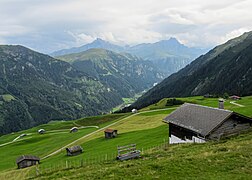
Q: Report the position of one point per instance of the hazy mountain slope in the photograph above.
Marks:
(35, 88)
(98, 43)
(226, 68)
(169, 55)
(123, 72)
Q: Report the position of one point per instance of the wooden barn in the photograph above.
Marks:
(110, 133)
(26, 161)
(73, 151)
(196, 123)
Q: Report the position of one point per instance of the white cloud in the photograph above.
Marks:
(50, 25)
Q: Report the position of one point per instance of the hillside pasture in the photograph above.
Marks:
(57, 135)
(143, 129)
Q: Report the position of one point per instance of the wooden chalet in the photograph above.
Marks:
(73, 151)
(26, 161)
(196, 123)
(110, 133)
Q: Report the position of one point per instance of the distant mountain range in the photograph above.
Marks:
(36, 88)
(226, 68)
(168, 55)
(98, 43)
(125, 73)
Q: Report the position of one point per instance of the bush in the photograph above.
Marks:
(173, 101)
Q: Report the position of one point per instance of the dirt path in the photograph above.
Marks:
(234, 103)
(19, 138)
(83, 137)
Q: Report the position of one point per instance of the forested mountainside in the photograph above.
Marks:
(125, 73)
(36, 88)
(168, 56)
(226, 68)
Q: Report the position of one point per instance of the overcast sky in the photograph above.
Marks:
(49, 25)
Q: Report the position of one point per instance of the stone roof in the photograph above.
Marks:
(74, 149)
(200, 119)
(27, 157)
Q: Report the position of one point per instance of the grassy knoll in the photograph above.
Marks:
(8, 97)
(227, 159)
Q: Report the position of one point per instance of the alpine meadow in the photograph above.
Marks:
(125, 89)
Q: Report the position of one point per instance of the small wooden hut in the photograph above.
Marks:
(110, 133)
(26, 161)
(234, 97)
(73, 151)
(73, 129)
(134, 111)
(41, 131)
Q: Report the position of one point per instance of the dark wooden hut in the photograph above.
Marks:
(41, 131)
(73, 151)
(26, 161)
(73, 129)
(196, 123)
(110, 133)
(234, 97)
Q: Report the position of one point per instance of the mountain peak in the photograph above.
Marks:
(172, 41)
(99, 40)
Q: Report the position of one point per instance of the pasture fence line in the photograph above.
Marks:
(43, 169)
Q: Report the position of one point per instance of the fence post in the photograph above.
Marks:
(81, 163)
(37, 170)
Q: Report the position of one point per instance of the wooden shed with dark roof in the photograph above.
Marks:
(74, 150)
(110, 133)
(27, 160)
(196, 123)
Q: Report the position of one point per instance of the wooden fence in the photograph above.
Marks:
(43, 169)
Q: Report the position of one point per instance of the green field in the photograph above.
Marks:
(56, 137)
(146, 129)
(227, 159)
(212, 102)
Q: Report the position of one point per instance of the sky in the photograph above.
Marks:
(49, 25)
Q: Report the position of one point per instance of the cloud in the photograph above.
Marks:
(51, 25)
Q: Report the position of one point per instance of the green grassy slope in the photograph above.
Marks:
(212, 102)
(227, 159)
(57, 136)
(146, 129)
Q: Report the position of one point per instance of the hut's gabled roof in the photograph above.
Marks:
(27, 157)
(110, 130)
(74, 149)
(200, 119)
